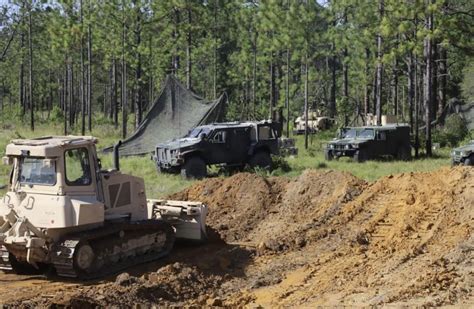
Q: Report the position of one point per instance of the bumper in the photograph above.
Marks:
(457, 160)
(165, 160)
(342, 152)
(170, 164)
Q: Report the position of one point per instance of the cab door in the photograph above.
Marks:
(380, 143)
(239, 142)
(218, 147)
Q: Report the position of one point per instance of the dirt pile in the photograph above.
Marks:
(276, 211)
(403, 237)
(323, 238)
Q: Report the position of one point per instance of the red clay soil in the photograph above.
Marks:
(323, 238)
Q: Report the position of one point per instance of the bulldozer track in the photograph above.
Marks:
(109, 238)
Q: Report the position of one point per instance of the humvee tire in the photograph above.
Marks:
(469, 161)
(328, 155)
(194, 167)
(360, 156)
(404, 153)
(261, 159)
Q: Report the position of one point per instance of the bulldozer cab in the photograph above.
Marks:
(60, 165)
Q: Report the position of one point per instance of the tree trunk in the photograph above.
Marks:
(411, 89)
(214, 79)
(21, 88)
(306, 102)
(30, 89)
(395, 88)
(378, 101)
(82, 72)
(333, 109)
(367, 89)
(434, 80)
(176, 38)
(442, 74)
(272, 85)
(138, 70)
(428, 85)
(287, 92)
(188, 50)
(254, 77)
(89, 69)
(124, 83)
(345, 73)
(417, 106)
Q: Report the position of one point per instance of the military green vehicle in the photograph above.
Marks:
(370, 142)
(463, 155)
(231, 144)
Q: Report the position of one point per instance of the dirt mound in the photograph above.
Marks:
(406, 239)
(237, 204)
(323, 238)
(274, 211)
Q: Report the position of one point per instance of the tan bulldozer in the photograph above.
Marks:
(316, 122)
(63, 212)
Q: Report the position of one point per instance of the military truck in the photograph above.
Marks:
(232, 144)
(463, 155)
(63, 212)
(370, 142)
(316, 123)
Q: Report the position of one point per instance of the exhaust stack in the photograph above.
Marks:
(116, 156)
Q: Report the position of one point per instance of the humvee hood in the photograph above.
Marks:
(346, 141)
(180, 143)
(468, 147)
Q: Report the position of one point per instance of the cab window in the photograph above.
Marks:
(265, 133)
(382, 135)
(219, 137)
(78, 169)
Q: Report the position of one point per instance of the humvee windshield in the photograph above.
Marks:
(366, 134)
(37, 171)
(348, 133)
(194, 133)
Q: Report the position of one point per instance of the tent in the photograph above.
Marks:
(176, 111)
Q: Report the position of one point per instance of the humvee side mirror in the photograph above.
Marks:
(7, 160)
(202, 136)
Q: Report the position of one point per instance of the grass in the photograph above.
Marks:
(161, 185)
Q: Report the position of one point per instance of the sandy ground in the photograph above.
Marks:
(323, 238)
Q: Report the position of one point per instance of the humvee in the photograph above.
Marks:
(369, 142)
(232, 144)
(463, 155)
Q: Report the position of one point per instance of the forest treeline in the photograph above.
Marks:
(346, 58)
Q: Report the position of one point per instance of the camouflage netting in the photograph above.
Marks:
(176, 111)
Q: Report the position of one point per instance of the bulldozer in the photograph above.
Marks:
(64, 213)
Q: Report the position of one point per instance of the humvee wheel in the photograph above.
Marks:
(261, 159)
(469, 160)
(194, 167)
(360, 156)
(328, 155)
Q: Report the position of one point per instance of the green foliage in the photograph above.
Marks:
(56, 115)
(455, 130)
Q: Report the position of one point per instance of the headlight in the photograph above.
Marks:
(355, 146)
(347, 147)
(331, 146)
